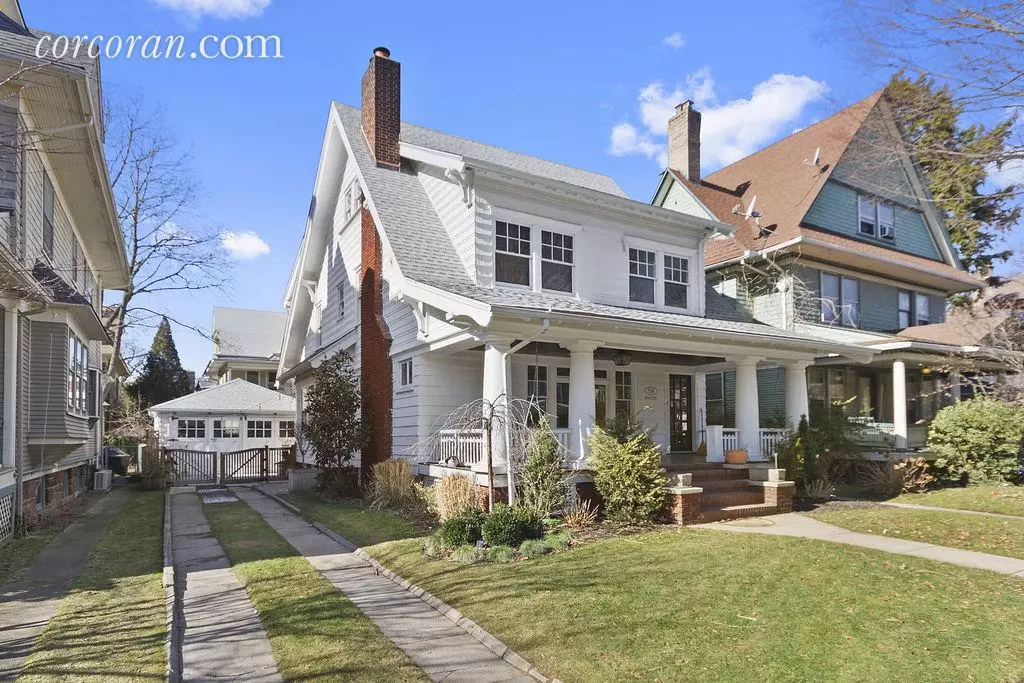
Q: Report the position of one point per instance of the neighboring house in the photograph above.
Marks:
(454, 271)
(246, 345)
(234, 416)
(60, 247)
(834, 236)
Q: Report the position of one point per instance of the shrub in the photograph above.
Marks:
(393, 486)
(892, 478)
(534, 548)
(580, 515)
(917, 475)
(559, 540)
(979, 440)
(432, 547)
(501, 554)
(541, 482)
(468, 554)
(628, 476)
(462, 529)
(819, 490)
(511, 526)
(452, 495)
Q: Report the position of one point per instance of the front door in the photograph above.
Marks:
(680, 388)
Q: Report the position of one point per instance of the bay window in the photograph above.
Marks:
(78, 375)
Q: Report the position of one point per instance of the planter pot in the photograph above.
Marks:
(736, 456)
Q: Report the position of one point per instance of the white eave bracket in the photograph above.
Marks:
(465, 180)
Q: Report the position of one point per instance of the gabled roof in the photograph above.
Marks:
(236, 396)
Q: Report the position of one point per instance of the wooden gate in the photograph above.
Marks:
(256, 464)
(192, 467)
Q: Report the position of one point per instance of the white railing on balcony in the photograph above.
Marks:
(562, 436)
(770, 439)
(465, 446)
(730, 439)
(873, 434)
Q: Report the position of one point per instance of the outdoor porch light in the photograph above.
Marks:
(622, 359)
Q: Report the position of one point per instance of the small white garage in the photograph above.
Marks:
(235, 416)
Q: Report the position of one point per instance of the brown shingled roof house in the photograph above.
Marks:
(835, 234)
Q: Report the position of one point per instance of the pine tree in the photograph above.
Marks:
(162, 377)
(954, 160)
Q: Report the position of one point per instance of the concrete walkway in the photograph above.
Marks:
(30, 598)
(223, 638)
(436, 645)
(802, 526)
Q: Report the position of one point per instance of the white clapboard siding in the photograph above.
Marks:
(457, 218)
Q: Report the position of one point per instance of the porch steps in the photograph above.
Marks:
(718, 514)
(720, 484)
(732, 499)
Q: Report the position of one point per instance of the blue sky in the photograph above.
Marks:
(546, 78)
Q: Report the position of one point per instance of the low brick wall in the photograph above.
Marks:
(780, 496)
(60, 488)
(685, 505)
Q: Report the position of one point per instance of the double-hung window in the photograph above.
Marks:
(48, 202)
(914, 309)
(259, 429)
(623, 393)
(405, 374)
(561, 398)
(252, 376)
(677, 278)
(537, 385)
(922, 309)
(78, 375)
(286, 429)
(191, 429)
(906, 311)
(556, 260)
(877, 218)
(225, 429)
(840, 300)
(512, 253)
(642, 276)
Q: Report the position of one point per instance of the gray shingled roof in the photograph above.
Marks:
(237, 396)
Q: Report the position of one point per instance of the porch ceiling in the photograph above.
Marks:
(610, 354)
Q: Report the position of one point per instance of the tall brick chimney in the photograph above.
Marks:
(382, 107)
(684, 141)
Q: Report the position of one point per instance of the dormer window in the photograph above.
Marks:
(642, 275)
(677, 277)
(877, 217)
(512, 253)
(556, 259)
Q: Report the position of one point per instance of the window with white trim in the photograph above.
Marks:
(286, 429)
(556, 261)
(877, 218)
(922, 309)
(405, 373)
(906, 310)
(259, 429)
(561, 398)
(191, 429)
(677, 278)
(537, 385)
(252, 376)
(352, 198)
(512, 253)
(642, 275)
(341, 300)
(623, 393)
(914, 309)
(225, 429)
(78, 375)
(840, 300)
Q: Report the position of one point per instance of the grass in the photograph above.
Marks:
(968, 532)
(1004, 500)
(705, 605)
(111, 625)
(353, 519)
(316, 634)
(21, 552)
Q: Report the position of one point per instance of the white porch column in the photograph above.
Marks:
(748, 418)
(954, 386)
(796, 392)
(495, 385)
(581, 396)
(899, 403)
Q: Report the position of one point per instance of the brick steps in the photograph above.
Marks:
(719, 485)
(705, 475)
(732, 498)
(718, 514)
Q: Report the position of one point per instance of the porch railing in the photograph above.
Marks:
(463, 445)
(730, 439)
(562, 436)
(721, 439)
(770, 440)
(883, 434)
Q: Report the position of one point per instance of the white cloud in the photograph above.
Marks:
(244, 245)
(1012, 173)
(222, 9)
(730, 130)
(675, 41)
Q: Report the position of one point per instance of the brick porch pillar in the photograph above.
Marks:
(684, 504)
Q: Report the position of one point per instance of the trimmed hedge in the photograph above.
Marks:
(462, 529)
(980, 440)
(511, 526)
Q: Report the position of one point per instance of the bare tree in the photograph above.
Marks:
(154, 191)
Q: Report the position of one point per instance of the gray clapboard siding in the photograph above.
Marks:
(48, 396)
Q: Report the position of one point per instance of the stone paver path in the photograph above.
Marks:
(223, 639)
(802, 526)
(30, 598)
(436, 645)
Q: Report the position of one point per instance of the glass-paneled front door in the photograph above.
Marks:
(680, 389)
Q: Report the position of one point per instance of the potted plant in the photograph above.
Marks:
(736, 456)
(157, 474)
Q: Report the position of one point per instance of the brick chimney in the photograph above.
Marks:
(684, 141)
(382, 111)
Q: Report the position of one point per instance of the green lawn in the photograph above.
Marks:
(316, 634)
(354, 520)
(705, 605)
(1006, 500)
(21, 552)
(111, 625)
(956, 530)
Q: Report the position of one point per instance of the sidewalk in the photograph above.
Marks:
(30, 598)
(223, 637)
(802, 526)
(933, 508)
(436, 645)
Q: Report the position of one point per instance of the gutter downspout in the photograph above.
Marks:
(545, 326)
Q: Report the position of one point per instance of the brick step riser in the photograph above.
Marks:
(722, 485)
(719, 474)
(718, 515)
(719, 500)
